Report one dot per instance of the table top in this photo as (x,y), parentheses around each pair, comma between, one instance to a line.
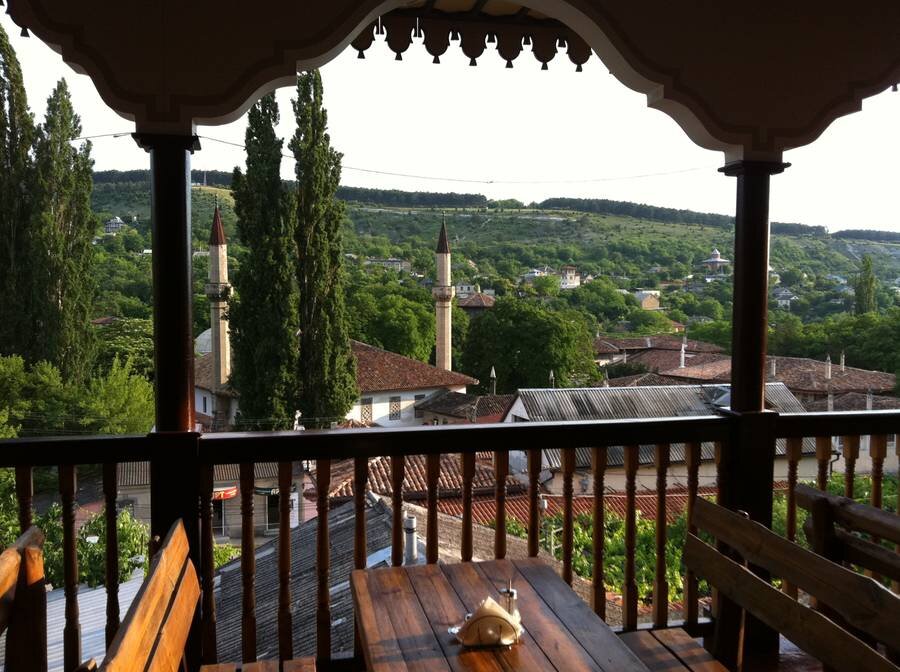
(403,615)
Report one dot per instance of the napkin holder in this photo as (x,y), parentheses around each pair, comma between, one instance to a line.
(489,626)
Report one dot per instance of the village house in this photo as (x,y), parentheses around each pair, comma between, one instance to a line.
(783,297)
(446,408)
(476,304)
(569,277)
(716,266)
(392,264)
(646,349)
(648,299)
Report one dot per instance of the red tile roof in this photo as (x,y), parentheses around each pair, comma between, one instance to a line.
(477,301)
(658,360)
(450,479)
(854,401)
(661,342)
(487,408)
(484,510)
(378,370)
(799,374)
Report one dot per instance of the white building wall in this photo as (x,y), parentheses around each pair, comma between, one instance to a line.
(381,406)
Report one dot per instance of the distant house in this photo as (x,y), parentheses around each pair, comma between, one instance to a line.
(465,289)
(475,304)
(533,273)
(716,265)
(652,351)
(391,384)
(568,277)
(624,403)
(113,226)
(783,297)
(648,299)
(391,264)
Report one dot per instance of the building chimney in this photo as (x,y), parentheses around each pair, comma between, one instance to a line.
(410,546)
(649,342)
(828,367)
(605,382)
(773,366)
(493,381)
(681,359)
(830,401)
(843,365)
(552,379)
(624,356)
(870,400)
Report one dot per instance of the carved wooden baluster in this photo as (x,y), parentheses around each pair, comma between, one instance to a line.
(794,451)
(72,629)
(110,491)
(468,473)
(661,584)
(823,458)
(568,532)
(599,540)
(629,589)
(895,585)
(398,467)
(718,458)
(24,495)
(877,451)
(692,463)
(360,479)
(208,567)
(850,452)
(501,470)
(534,513)
(323,558)
(248,566)
(432,472)
(285,620)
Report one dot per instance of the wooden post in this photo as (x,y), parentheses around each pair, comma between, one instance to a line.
(692,463)
(823,459)
(398,468)
(248,566)
(110,492)
(207,566)
(468,474)
(660,583)
(174,490)
(285,620)
(501,471)
(850,452)
(534,514)
(794,450)
(629,589)
(749,459)
(568,535)
(323,562)
(599,540)
(432,473)
(72,628)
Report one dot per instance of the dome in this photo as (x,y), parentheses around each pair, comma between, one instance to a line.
(203,342)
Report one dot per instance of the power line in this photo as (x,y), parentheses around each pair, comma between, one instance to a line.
(461,180)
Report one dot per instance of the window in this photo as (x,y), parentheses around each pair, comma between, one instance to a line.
(394,411)
(218,517)
(365,413)
(420,414)
(272,512)
(204,403)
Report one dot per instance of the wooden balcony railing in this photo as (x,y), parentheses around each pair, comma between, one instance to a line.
(324,447)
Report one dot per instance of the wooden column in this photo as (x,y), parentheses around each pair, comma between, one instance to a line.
(174,487)
(748,461)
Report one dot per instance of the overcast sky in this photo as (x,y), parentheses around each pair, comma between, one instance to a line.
(524,133)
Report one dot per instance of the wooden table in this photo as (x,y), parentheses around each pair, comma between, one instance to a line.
(403,614)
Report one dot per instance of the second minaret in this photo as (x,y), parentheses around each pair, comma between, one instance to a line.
(443,292)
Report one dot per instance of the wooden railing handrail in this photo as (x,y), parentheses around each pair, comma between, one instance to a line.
(837,423)
(850,514)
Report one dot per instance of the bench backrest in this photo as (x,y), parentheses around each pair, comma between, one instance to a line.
(23,602)
(830,530)
(153,634)
(859,599)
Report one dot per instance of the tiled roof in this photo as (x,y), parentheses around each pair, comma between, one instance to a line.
(799,374)
(484,508)
(641,380)
(658,360)
(661,342)
(459,405)
(854,401)
(477,300)
(137,474)
(303,585)
(204,377)
(415,486)
(378,370)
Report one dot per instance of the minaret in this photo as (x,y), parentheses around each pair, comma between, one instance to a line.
(217,291)
(443,300)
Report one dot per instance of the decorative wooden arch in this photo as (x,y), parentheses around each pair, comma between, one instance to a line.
(749,80)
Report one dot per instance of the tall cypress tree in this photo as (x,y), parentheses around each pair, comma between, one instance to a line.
(326,371)
(16,135)
(263,311)
(63,226)
(864,290)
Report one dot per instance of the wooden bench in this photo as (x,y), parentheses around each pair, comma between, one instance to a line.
(23,602)
(857,599)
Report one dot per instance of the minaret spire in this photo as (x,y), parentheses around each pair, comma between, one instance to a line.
(442,292)
(217,291)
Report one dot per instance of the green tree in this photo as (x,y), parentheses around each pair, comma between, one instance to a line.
(121,402)
(126,339)
(16,187)
(63,227)
(263,310)
(864,289)
(326,369)
(524,341)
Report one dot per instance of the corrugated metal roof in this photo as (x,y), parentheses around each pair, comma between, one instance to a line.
(638,403)
(137,474)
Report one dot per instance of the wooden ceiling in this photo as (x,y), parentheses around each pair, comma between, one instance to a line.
(475,25)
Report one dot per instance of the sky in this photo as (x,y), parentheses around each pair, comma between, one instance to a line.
(523,133)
